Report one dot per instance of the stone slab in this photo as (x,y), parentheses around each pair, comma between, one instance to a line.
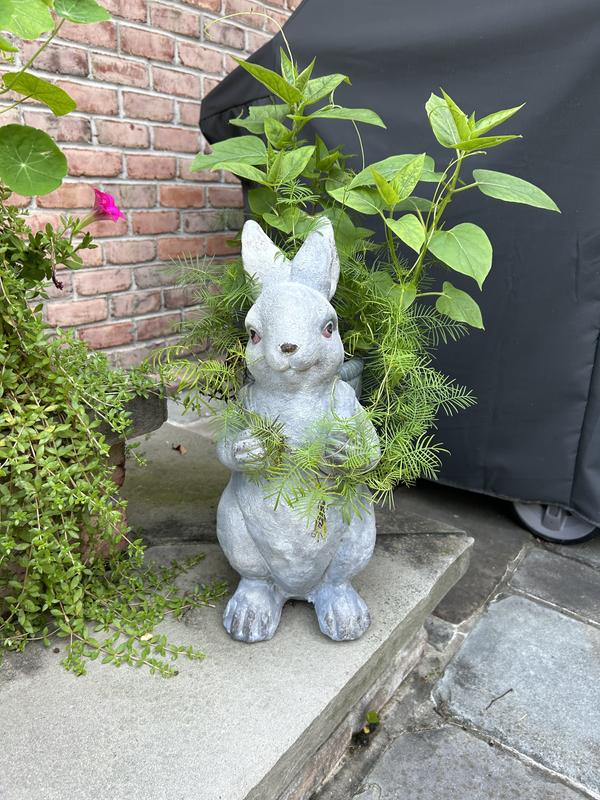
(567,583)
(547,666)
(498,539)
(448,764)
(184,507)
(587,552)
(239,725)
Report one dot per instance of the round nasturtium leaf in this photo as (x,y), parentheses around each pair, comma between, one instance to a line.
(30,163)
(28,19)
(82,11)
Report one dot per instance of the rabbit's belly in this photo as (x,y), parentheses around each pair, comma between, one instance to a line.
(296,558)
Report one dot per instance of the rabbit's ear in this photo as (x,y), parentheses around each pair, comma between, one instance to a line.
(261,258)
(316,264)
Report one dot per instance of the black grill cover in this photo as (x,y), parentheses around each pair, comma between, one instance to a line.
(535,433)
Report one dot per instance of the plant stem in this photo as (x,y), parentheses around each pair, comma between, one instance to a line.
(24,68)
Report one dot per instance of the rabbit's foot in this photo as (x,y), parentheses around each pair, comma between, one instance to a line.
(253,613)
(341,611)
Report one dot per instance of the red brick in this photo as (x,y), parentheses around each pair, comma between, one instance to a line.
(149,222)
(176,139)
(100,34)
(153,327)
(201,175)
(293,4)
(135,10)
(129,252)
(58,59)
(111,335)
(227,34)
(199,57)
(118,70)
(172,247)
(102,281)
(182,84)
(274,22)
(238,6)
(54,292)
(132,304)
(133,356)
(107,227)
(180,297)
(225,197)
(122,134)
(62,129)
(208,84)
(12,117)
(151,167)
(182,196)
(94,162)
(229,178)
(131,195)
(209,5)
(156,275)
(70,195)
(174,19)
(203,221)
(76,313)
(37,221)
(92,257)
(147,44)
(230,63)
(256,40)
(189,113)
(145,106)
(18,200)
(217,245)
(91,99)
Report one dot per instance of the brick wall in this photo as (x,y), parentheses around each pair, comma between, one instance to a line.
(138,81)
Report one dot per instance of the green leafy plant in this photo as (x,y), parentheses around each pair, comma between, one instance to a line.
(395,301)
(62,524)
(30,161)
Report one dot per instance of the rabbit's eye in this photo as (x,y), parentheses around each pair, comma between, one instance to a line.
(254,337)
(328,330)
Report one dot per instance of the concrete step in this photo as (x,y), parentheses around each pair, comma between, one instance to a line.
(267,721)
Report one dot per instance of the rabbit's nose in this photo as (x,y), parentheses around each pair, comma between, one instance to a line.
(286,347)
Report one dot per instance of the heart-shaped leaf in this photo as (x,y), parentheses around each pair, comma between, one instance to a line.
(409,230)
(442,121)
(244,171)
(466,249)
(81,11)
(28,19)
(57,100)
(257,115)
(390,166)
(459,306)
(502,186)
(405,180)
(365,199)
(292,164)
(30,163)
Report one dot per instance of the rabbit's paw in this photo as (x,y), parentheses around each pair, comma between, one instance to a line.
(341,611)
(248,451)
(253,613)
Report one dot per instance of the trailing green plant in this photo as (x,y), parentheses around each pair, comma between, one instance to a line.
(62,524)
(30,161)
(394,301)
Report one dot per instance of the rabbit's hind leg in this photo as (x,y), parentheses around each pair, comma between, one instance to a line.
(253,612)
(342,613)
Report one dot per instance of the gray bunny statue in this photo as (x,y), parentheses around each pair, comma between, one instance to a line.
(293,356)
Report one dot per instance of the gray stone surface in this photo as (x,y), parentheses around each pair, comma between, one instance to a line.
(147,414)
(551,665)
(240,724)
(449,764)
(588,552)
(174,497)
(491,522)
(567,583)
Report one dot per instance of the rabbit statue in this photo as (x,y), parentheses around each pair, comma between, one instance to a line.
(293,356)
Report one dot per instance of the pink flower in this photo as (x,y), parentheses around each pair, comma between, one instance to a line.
(106,207)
